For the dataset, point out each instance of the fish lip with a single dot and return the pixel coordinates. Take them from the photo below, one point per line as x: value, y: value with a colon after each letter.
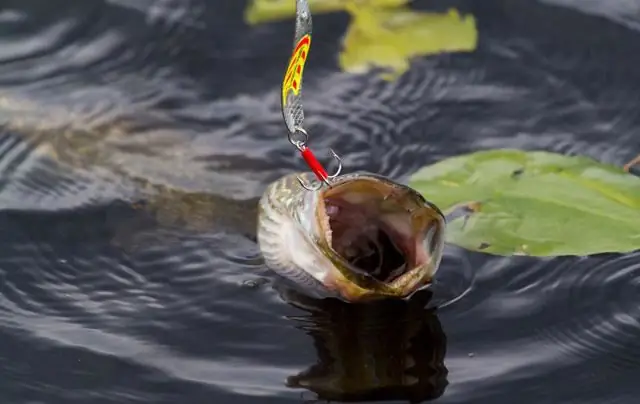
x: 358, y: 284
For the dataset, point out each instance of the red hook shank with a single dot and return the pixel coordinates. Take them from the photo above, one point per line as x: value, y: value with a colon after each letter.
x: 314, y: 164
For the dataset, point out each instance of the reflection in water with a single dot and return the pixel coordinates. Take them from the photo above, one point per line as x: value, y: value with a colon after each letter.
x: 392, y: 350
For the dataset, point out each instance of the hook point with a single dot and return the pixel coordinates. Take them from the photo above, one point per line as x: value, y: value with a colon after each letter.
x: 339, y: 160
x: 308, y: 187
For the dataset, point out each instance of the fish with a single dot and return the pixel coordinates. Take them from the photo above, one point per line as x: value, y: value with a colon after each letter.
x: 337, y: 241
x: 364, y: 238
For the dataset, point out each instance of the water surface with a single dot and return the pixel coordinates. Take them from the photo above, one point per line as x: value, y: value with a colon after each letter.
x: 137, y: 134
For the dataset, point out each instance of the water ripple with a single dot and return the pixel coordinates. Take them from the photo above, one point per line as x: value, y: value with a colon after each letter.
x: 605, y: 319
x: 557, y: 316
x: 82, y: 291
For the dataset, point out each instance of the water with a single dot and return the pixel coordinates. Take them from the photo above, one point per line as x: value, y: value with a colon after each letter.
x: 137, y: 134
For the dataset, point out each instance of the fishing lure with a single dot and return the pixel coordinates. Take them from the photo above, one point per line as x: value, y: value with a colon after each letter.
x: 292, y: 99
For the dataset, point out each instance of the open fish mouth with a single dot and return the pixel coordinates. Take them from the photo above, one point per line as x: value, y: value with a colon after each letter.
x: 385, y: 238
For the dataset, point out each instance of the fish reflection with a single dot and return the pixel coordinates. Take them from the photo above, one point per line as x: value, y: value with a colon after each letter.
x: 385, y: 350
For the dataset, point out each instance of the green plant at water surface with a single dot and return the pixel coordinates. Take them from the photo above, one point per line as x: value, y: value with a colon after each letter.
x: 535, y: 203
x: 382, y: 33
x: 262, y: 11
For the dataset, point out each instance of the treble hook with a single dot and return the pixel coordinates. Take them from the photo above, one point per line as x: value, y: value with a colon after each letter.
x: 313, y: 163
x: 322, y: 176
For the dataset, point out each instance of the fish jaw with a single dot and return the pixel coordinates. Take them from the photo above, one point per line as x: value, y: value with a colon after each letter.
x: 366, y: 206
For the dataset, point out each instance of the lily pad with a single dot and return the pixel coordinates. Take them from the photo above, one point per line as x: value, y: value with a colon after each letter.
x: 261, y: 11
x: 389, y: 37
x: 535, y: 203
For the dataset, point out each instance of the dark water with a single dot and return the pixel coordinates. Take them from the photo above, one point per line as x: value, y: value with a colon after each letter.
x: 131, y: 131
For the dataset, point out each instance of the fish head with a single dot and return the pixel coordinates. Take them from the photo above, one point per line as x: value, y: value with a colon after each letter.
x: 364, y: 238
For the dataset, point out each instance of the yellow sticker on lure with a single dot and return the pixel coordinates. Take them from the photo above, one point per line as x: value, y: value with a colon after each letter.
x: 293, y: 76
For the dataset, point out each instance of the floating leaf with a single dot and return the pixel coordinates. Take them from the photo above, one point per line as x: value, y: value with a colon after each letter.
x: 261, y: 11
x: 535, y: 203
x: 390, y: 37
x: 382, y: 33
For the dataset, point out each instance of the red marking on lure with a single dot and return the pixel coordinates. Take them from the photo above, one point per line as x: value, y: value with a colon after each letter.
x: 314, y: 164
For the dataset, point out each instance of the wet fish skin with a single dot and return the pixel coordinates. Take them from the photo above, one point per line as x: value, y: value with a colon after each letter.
x: 293, y: 243
x: 284, y: 220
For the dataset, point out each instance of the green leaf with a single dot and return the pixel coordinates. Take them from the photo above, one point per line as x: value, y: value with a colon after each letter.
x: 382, y: 33
x: 262, y: 11
x: 390, y: 38
x: 535, y: 203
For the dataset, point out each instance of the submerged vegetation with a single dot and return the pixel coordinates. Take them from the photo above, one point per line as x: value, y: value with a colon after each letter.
x: 383, y: 34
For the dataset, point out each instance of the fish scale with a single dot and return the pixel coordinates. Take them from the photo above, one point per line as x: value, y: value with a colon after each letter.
x: 278, y: 201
